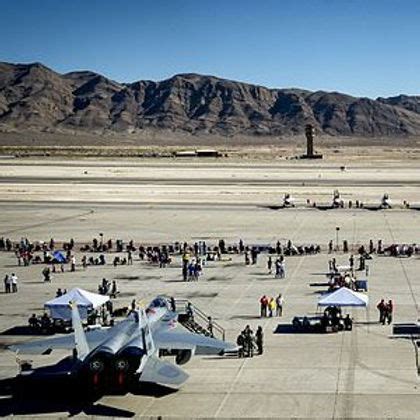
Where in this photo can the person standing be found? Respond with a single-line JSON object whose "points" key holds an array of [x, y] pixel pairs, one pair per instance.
{"points": [[210, 326], [14, 281], [7, 284], [388, 312], [271, 306], [185, 261], [250, 341], [269, 265], [259, 340], [263, 306], [282, 269], [351, 262], [73, 263], [381, 306], [240, 341], [278, 268], [114, 289], [247, 260], [133, 305], [279, 305], [47, 274], [189, 310]]}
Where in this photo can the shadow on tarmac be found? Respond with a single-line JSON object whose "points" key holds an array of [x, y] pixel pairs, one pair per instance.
{"points": [[58, 393], [24, 330], [290, 329]]}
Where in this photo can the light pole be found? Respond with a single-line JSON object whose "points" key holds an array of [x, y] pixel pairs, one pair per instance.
{"points": [[337, 229]]}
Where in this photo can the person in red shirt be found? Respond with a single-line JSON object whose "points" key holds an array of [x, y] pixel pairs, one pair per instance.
{"points": [[263, 306]]}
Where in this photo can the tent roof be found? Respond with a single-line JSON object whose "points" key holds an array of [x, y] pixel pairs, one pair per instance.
{"points": [[344, 297], [81, 297]]}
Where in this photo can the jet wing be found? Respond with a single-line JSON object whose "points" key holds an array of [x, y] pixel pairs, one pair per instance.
{"points": [[324, 206], [180, 339], [45, 346], [373, 207]]}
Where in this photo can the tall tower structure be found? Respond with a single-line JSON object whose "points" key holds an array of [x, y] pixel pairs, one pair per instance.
{"points": [[310, 135]]}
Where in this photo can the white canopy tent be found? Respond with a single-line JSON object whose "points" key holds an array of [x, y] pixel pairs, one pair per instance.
{"points": [[344, 297], [60, 309]]}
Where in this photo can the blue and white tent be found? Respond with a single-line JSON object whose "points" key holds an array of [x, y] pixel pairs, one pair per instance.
{"points": [[59, 257]]}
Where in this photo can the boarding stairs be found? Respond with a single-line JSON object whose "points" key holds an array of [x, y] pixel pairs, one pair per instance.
{"points": [[198, 323]]}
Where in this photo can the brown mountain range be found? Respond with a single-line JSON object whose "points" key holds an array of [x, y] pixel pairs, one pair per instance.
{"points": [[35, 97]]}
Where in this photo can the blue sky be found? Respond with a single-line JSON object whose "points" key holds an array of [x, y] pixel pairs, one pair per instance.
{"points": [[362, 47]]}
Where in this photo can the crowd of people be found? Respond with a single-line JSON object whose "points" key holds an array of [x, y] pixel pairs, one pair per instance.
{"points": [[333, 317], [248, 342], [194, 257], [108, 288], [279, 266], [192, 267]]}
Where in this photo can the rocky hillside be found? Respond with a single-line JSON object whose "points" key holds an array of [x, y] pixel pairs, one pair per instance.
{"points": [[35, 97]]}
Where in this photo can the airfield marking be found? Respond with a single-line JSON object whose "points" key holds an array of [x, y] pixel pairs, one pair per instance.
{"points": [[410, 287], [287, 285], [49, 222], [338, 377]]}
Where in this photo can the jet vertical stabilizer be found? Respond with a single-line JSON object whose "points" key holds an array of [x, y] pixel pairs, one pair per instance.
{"points": [[81, 344]]}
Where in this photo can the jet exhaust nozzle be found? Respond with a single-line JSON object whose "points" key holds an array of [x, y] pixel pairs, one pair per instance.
{"points": [[128, 359]]}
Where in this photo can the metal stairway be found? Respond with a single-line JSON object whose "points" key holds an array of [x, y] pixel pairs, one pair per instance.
{"points": [[198, 322]]}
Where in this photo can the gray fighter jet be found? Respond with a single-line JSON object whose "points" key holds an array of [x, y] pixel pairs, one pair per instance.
{"points": [[127, 353]]}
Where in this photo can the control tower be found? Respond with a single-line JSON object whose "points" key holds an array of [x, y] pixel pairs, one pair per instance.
{"points": [[310, 135]]}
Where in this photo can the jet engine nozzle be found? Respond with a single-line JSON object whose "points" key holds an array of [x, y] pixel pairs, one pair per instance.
{"points": [[128, 359], [99, 361]]}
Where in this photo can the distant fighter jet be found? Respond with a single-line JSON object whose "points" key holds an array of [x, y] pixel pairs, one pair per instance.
{"points": [[384, 204], [336, 203], [127, 353], [288, 201]]}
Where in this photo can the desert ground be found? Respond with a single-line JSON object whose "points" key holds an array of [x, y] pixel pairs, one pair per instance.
{"points": [[367, 372]]}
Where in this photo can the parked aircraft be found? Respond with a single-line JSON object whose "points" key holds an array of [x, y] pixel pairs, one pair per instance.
{"points": [[128, 353], [336, 203], [384, 204]]}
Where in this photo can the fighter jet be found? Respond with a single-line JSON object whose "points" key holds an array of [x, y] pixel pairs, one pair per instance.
{"points": [[288, 202], [336, 203], [384, 204], [128, 353]]}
